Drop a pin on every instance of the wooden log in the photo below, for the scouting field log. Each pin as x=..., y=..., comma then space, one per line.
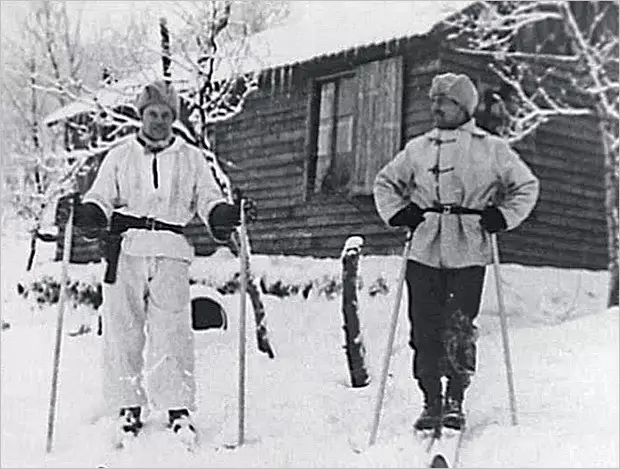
x=354, y=345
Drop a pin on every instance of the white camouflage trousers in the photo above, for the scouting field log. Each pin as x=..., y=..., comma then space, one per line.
x=149, y=300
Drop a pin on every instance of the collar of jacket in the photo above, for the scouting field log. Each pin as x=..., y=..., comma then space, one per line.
x=154, y=146
x=469, y=127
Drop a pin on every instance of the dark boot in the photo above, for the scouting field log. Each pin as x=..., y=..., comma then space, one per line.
x=179, y=418
x=453, y=415
x=129, y=420
x=181, y=424
x=430, y=418
x=128, y=426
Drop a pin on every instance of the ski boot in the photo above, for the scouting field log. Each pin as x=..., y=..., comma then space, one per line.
x=453, y=415
x=181, y=424
x=128, y=425
x=430, y=418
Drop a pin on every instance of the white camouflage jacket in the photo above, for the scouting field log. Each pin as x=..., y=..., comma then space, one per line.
x=467, y=167
x=189, y=182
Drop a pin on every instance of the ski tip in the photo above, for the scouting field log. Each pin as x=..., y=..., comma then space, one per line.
x=439, y=461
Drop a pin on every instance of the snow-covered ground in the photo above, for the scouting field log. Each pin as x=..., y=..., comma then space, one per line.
x=300, y=408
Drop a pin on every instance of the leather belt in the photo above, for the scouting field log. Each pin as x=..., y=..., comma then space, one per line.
x=452, y=209
x=125, y=222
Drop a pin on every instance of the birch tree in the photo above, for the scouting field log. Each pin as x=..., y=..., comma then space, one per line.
x=587, y=66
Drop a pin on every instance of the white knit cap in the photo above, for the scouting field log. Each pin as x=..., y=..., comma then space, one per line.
x=460, y=88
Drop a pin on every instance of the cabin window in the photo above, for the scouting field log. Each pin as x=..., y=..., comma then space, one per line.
x=356, y=127
x=334, y=152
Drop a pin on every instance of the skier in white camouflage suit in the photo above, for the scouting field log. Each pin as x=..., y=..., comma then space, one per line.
x=452, y=187
x=148, y=188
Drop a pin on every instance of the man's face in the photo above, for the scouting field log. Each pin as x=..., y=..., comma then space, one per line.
x=157, y=121
x=447, y=113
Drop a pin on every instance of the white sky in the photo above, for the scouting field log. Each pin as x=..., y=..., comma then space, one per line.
x=98, y=14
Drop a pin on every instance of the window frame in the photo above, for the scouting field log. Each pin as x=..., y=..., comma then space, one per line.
x=313, y=126
x=378, y=107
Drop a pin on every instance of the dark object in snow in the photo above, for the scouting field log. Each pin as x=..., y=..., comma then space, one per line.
x=278, y=288
x=354, y=344
x=379, y=286
x=5, y=325
x=83, y=329
x=306, y=291
x=262, y=335
x=207, y=314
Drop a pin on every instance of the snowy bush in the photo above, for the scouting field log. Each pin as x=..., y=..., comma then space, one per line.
x=45, y=290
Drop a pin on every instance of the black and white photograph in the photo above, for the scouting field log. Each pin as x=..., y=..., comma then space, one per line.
x=309, y=234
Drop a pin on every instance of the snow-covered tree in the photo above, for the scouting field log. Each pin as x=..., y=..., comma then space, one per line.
x=47, y=50
x=64, y=68
x=210, y=48
x=583, y=57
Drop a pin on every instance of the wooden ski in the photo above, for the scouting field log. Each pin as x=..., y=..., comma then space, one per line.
x=444, y=448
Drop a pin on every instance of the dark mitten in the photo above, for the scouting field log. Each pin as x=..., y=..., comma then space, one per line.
x=89, y=219
x=222, y=219
x=412, y=215
x=224, y=215
x=493, y=220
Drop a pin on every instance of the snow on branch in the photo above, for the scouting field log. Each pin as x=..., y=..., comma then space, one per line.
x=498, y=24
x=578, y=79
x=214, y=54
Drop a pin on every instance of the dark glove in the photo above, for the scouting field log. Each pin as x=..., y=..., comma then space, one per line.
x=225, y=216
x=493, y=220
x=412, y=215
x=89, y=219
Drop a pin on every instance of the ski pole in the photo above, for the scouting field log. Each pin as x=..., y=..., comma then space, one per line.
x=390, y=343
x=64, y=279
x=243, y=257
x=504, y=327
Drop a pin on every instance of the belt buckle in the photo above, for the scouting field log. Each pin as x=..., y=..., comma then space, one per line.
x=149, y=223
x=446, y=209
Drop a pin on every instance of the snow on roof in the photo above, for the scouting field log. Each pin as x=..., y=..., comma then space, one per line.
x=329, y=27
x=318, y=28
